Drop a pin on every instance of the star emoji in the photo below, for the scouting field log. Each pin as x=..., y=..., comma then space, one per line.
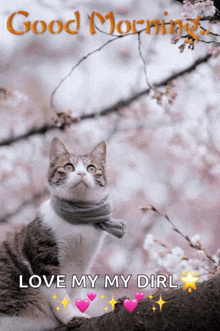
x=58, y=308
x=112, y=302
x=54, y=296
x=189, y=280
x=106, y=308
x=102, y=296
x=161, y=302
x=65, y=302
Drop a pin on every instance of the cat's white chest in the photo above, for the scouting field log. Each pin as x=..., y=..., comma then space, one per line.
x=77, y=244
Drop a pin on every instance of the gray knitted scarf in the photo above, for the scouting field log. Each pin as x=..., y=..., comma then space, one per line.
x=98, y=214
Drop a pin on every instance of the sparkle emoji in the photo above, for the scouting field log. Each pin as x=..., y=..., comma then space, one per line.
x=65, y=302
x=112, y=302
x=160, y=302
x=189, y=281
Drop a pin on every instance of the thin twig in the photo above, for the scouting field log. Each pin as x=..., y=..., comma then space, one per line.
x=209, y=42
x=76, y=65
x=143, y=60
x=197, y=246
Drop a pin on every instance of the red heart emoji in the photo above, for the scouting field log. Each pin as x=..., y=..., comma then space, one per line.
x=130, y=305
x=91, y=296
x=82, y=305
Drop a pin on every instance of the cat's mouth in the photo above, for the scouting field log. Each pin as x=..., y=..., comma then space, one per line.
x=80, y=184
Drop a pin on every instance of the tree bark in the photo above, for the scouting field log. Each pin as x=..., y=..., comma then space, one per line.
x=197, y=311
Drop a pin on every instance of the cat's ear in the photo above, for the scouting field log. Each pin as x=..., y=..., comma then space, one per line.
x=57, y=149
x=99, y=151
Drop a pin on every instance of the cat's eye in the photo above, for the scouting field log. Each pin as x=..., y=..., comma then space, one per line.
x=91, y=168
x=69, y=167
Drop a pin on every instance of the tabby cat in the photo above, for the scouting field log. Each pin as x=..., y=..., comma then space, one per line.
x=62, y=240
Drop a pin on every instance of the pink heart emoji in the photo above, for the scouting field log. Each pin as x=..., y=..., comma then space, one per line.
x=91, y=296
x=139, y=296
x=82, y=305
x=130, y=305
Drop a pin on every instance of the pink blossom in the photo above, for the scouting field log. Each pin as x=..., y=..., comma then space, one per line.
x=192, y=8
x=214, y=51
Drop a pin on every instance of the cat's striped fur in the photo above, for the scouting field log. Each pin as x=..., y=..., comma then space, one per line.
x=50, y=246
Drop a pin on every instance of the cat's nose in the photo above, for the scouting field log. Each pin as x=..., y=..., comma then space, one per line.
x=81, y=173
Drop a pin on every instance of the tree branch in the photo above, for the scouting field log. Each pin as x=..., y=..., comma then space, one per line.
x=198, y=310
x=4, y=218
x=33, y=131
x=111, y=109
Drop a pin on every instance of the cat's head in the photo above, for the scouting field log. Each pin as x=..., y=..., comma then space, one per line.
x=77, y=178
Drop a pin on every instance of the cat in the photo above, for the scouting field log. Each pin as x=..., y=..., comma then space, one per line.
x=63, y=239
